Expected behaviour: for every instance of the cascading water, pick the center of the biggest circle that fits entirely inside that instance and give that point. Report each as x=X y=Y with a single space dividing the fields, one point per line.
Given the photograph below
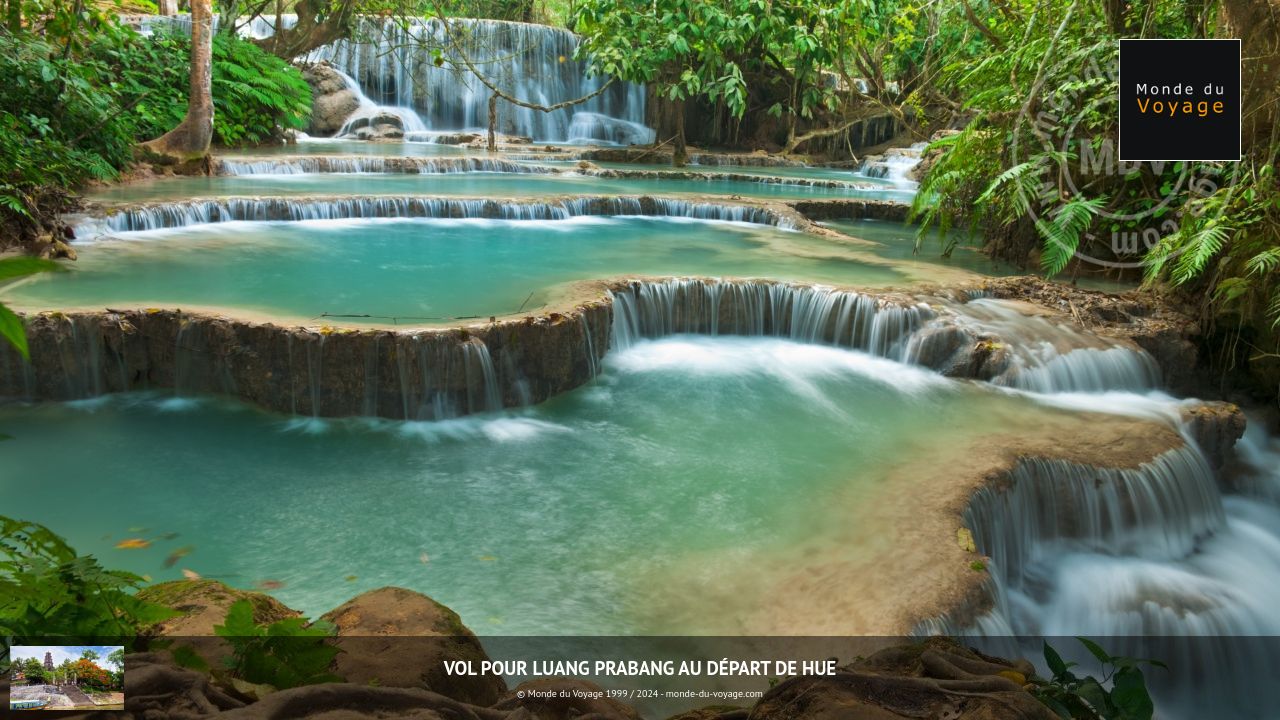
x=1152 y=562
x=1045 y=356
x=1155 y=561
x=199 y=212
x=373 y=165
x=368 y=113
x=894 y=165
x=804 y=313
x=396 y=64
x=392 y=67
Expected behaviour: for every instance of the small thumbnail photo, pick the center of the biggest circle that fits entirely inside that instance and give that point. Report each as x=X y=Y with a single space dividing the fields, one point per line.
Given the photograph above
x=66 y=677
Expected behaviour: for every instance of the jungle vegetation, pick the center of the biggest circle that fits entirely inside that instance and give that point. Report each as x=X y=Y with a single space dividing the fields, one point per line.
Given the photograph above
x=80 y=92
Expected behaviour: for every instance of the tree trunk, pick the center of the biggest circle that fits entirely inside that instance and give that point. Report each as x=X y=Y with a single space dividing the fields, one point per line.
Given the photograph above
x=680 y=155
x=168 y=7
x=493 y=122
x=318 y=24
x=1257 y=24
x=190 y=140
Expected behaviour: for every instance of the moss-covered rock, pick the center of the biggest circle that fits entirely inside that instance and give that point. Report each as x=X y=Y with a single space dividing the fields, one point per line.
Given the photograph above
x=204 y=603
x=394 y=637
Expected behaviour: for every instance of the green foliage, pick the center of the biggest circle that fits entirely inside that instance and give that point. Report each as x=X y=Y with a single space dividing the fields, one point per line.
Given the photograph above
x=47 y=590
x=1038 y=160
x=1232 y=237
x=1088 y=698
x=287 y=653
x=255 y=94
x=805 y=54
x=33 y=670
x=11 y=327
x=57 y=128
x=79 y=95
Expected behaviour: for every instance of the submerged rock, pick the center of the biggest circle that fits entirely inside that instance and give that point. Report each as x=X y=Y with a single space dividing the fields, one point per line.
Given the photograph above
x=382 y=636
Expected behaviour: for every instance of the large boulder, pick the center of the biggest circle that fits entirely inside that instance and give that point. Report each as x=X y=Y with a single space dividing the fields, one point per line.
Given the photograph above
x=202 y=604
x=379 y=126
x=394 y=637
x=332 y=99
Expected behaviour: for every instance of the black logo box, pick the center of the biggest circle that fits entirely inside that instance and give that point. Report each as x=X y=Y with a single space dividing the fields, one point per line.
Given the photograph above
x=1194 y=65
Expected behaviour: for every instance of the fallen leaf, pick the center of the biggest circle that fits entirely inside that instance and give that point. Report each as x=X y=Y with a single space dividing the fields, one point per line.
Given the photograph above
x=424 y=559
x=190 y=574
x=488 y=558
x=1013 y=675
x=270 y=584
x=133 y=544
x=177 y=555
x=257 y=691
x=352 y=578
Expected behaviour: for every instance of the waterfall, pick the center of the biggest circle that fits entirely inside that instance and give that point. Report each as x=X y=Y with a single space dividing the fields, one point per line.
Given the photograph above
x=1047 y=356
x=894 y=165
x=396 y=64
x=155 y=216
x=476 y=353
x=1152 y=561
x=1160 y=510
x=306 y=165
x=368 y=112
x=1085 y=370
x=391 y=64
x=804 y=313
x=588 y=127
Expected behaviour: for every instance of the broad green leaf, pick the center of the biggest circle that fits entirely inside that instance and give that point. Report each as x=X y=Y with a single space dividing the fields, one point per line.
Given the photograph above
x=1054 y=660
x=1130 y=697
x=12 y=329
x=1096 y=650
x=22 y=266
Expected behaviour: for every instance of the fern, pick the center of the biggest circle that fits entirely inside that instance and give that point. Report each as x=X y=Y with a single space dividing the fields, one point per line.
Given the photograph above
x=1203 y=245
x=1265 y=262
x=1062 y=231
x=1022 y=178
